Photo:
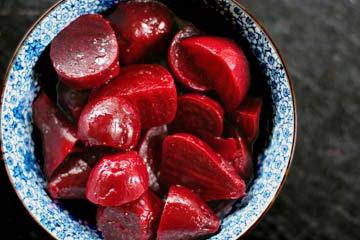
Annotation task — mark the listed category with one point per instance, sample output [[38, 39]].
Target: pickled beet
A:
[[85, 53], [198, 114], [224, 65], [150, 87], [247, 116], [142, 29], [182, 68], [149, 149], [188, 161], [110, 121], [57, 134], [137, 220], [117, 179], [186, 216], [226, 147]]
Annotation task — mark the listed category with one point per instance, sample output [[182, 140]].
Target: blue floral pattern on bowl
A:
[[18, 146]]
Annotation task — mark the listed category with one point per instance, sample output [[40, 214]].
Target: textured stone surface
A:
[[320, 41]]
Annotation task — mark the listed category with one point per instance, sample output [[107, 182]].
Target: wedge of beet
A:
[[142, 28], [226, 147], [181, 66], [85, 54], [69, 179], [57, 134], [247, 116], [150, 149], [137, 220], [198, 114], [186, 216], [117, 179], [188, 161], [72, 101], [150, 87], [110, 121], [224, 65]]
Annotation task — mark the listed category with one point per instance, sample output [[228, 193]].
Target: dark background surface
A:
[[320, 40]]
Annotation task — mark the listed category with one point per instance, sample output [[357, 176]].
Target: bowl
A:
[[20, 89]]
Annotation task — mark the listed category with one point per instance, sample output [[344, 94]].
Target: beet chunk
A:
[[85, 53], [226, 147], [188, 161], [224, 65], [150, 149], [110, 121], [150, 87], [142, 29], [180, 65], [57, 134], [137, 220], [72, 101], [117, 179], [186, 216], [199, 115]]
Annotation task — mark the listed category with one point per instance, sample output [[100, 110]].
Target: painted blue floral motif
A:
[[16, 128]]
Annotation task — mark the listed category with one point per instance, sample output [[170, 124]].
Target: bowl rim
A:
[[258, 25]]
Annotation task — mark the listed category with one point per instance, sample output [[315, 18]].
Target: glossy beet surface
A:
[[142, 29], [72, 101], [137, 220], [186, 216], [226, 147], [181, 65], [85, 53], [247, 116], [117, 179], [110, 121], [150, 149], [224, 65], [57, 134], [150, 87], [69, 180], [198, 114], [188, 161]]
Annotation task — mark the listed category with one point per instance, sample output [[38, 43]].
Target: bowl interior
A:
[[31, 66]]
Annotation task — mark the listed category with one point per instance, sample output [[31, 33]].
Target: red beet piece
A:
[[190, 162], [186, 216], [117, 179], [85, 53], [247, 116], [150, 149], [110, 121], [224, 65], [137, 220], [198, 114], [150, 87], [142, 29], [180, 65], [58, 135], [69, 179], [72, 101], [226, 147]]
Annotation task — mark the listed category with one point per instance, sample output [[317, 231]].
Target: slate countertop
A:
[[320, 41]]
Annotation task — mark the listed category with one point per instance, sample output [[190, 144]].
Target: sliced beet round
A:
[[188, 161], [150, 87], [117, 179], [150, 149], [85, 53], [247, 116], [186, 216], [69, 179], [57, 134], [110, 121], [181, 66], [136, 220], [142, 28], [198, 114], [224, 65], [72, 101]]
